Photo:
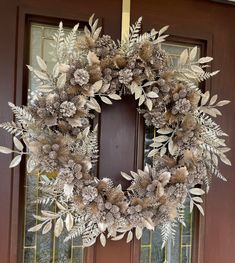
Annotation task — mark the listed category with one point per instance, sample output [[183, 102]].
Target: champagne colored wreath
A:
[[56, 129]]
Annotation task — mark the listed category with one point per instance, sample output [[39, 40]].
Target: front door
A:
[[211, 26], [26, 30]]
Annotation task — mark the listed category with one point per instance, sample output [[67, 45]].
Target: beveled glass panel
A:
[[38, 248], [151, 241]]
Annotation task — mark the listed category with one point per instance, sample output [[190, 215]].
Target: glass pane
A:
[[151, 242], [37, 247]]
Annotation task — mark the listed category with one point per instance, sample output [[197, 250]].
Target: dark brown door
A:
[[202, 22], [16, 18], [212, 25]]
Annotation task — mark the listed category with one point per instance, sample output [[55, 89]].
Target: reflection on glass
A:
[[38, 248], [181, 251], [151, 242]]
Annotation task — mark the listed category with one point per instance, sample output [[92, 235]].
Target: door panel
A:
[[15, 19], [121, 149], [151, 242], [38, 247], [212, 23]]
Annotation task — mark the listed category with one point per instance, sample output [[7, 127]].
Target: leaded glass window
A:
[[151, 243], [37, 247]]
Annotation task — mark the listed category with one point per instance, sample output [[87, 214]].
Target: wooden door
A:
[[212, 25], [201, 22], [16, 19]]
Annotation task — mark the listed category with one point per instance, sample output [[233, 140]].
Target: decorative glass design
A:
[[38, 248], [151, 243]]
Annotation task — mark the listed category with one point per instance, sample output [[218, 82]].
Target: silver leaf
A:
[[18, 144], [15, 161], [59, 225]]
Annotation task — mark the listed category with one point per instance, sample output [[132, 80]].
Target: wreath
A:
[[56, 128]]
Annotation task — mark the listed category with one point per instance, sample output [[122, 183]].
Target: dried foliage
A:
[[56, 129]]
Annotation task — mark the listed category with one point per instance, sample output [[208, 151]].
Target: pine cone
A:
[[89, 193], [68, 109], [66, 175], [105, 46], [125, 76], [181, 106], [81, 77]]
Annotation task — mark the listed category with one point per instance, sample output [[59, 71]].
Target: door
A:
[[212, 25], [17, 21], [122, 136]]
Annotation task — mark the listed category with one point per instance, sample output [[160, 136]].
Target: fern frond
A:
[[70, 40], [59, 43], [189, 84], [168, 232], [146, 36], [213, 170], [88, 146], [210, 137], [45, 200], [210, 125], [12, 128], [207, 182], [21, 114], [83, 227], [48, 186], [134, 32], [206, 75], [90, 234], [76, 231]]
